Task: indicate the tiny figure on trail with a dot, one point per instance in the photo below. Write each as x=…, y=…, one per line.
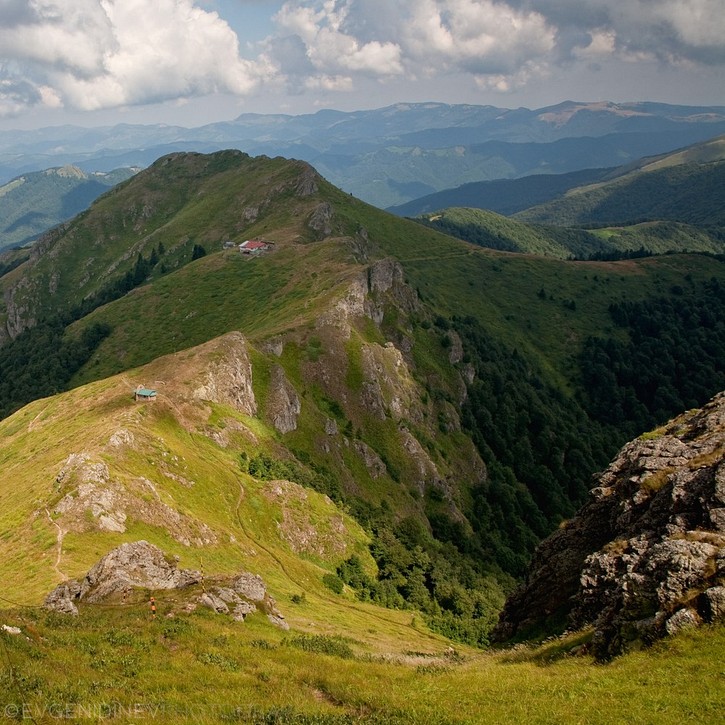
x=153, y=608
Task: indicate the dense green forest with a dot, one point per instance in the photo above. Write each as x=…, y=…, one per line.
x=688, y=193
x=42, y=360
x=672, y=360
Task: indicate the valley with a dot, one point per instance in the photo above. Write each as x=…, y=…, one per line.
x=380, y=420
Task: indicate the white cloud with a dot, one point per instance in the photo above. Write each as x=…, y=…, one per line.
x=416, y=38
x=666, y=30
x=91, y=54
x=96, y=54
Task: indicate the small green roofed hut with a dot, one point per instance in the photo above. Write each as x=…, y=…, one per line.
x=142, y=393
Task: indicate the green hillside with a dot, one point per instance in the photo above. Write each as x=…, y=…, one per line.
x=487, y=229
x=116, y=663
x=431, y=389
x=684, y=187
x=33, y=203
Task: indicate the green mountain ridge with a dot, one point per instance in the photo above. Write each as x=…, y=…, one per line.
x=428, y=387
x=493, y=231
x=33, y=203
x=684, y=186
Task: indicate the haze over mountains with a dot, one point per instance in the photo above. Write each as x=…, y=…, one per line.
x=392, y=155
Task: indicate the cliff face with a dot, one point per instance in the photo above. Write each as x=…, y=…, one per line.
x=645, y=557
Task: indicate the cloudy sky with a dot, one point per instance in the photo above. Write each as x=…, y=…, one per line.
x=194, y=61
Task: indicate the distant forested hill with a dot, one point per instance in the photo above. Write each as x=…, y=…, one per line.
x=505, y=196
x=689, y=193
x=35, y=202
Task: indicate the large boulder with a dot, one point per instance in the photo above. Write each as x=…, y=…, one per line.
x=645, y=557
x=136, y=565
x=140, y=565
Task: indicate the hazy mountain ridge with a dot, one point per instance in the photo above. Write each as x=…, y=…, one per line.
x=352, y=149
x=678, y=195
x=33, y=203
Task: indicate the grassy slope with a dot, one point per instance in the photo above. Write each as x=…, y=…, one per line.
x=263, y=297
x=488, y=229
x=179, y=202
x=649, y=193
x=199, y=668
x=173, y=448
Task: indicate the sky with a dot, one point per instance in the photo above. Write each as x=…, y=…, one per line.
x=191, y=62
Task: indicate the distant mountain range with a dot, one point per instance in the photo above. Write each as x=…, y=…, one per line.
x=668, y=203
x=32, y=203
x=392, y=155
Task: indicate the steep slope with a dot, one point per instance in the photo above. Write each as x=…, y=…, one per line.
x=491, y=230
x=685, y=186
x=503, y=196
x=431, y=386
x=35, y=202
x=112, y=469
x=644, y=557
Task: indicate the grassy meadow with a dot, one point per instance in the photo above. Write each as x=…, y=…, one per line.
x=116, y=663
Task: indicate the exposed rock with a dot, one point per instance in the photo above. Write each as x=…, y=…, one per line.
x=455, y=354
x=211, y=600
x=129, y=566
x=331, y=426
x=324, y=536
x=100, y=502
x=645, y=557
x=321, y=219
x=120, y=438
x=250, y=586
x=140, y=565
x=375, y=465
x=307, y=183
x=283, y=405
x=229, y=379
x=10, y=630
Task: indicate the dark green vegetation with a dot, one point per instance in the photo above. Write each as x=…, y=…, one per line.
x=407, y=435
x=37, y=201
x=41, y=361
x=503, y=196
x=691, y=193
x=670, y=203
x=493, y=231
x=487, y=229
x=670, y=359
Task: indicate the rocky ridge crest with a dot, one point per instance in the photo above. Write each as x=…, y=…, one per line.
x=645, y=557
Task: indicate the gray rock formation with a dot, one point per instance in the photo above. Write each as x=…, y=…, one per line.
x=229, y=379
x=129, y=566
x=283, y=405
x=243, y=595
x=140, y=565
x=645, y=557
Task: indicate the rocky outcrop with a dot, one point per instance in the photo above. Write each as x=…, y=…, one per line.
x=321, y=220
x=228, y=380
x=137, y=565
x=283, y=405
x=140, y=565
x=244, y=595
x=645, y=557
